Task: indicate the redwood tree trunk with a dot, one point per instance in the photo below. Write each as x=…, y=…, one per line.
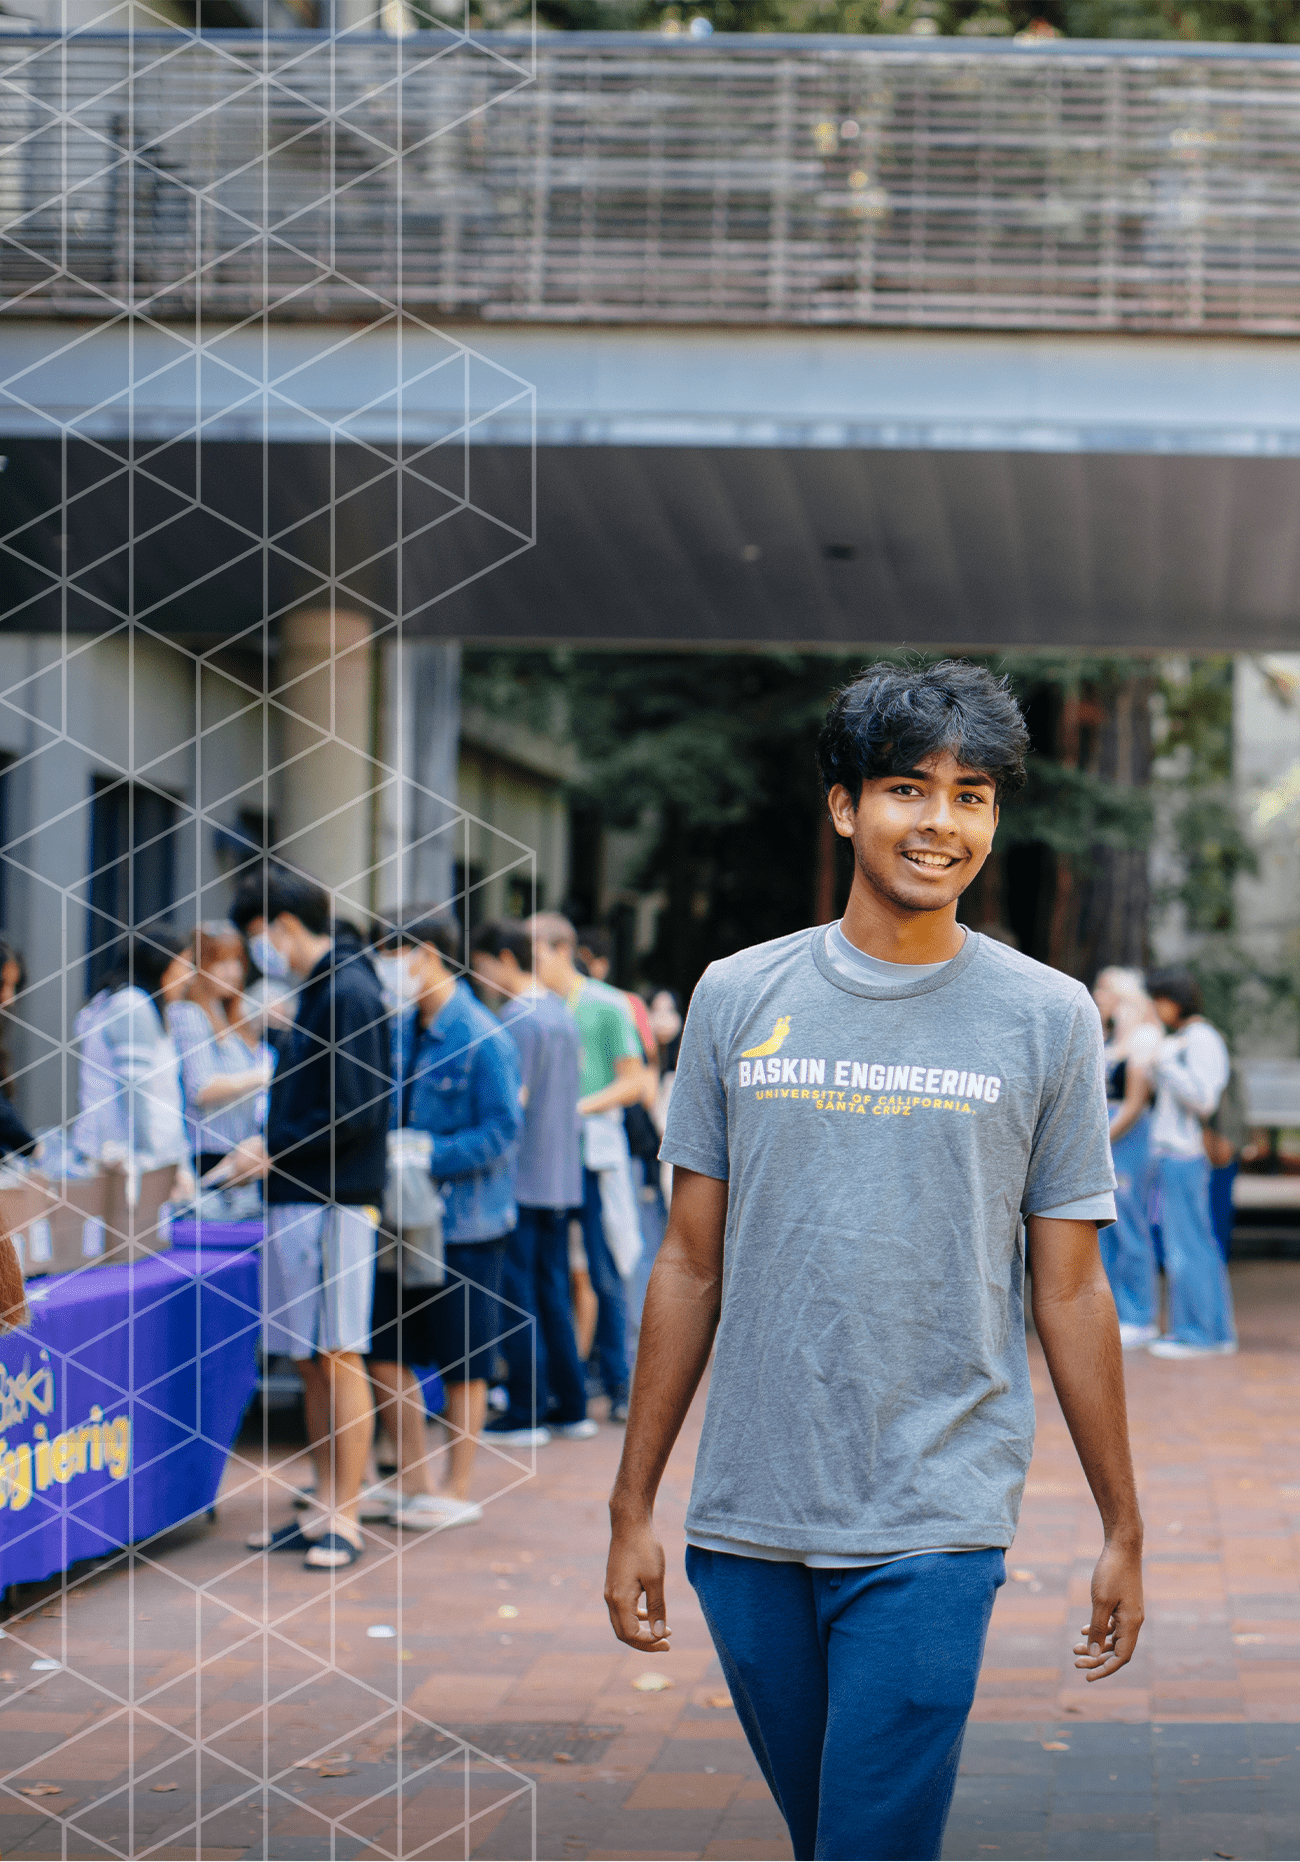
x=1114, y=898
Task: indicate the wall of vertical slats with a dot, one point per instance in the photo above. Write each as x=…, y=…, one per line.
x=631, y=178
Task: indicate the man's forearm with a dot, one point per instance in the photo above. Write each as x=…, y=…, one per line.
x=624, y=1091
x=677, y=1328
x=1080, y=1339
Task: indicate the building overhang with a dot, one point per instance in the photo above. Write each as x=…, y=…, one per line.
x=693, y=486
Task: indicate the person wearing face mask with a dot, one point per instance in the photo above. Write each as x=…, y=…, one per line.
x=323, y=1160
x=456, y=1078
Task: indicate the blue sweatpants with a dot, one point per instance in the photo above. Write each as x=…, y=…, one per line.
x=1200, y=1296
x=853, y=1688
x=1127, y=1251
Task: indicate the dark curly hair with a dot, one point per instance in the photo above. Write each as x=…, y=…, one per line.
x=891, y=718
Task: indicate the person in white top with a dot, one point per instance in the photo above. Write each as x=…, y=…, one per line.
x=1133, y=1037
x=1191, y=1071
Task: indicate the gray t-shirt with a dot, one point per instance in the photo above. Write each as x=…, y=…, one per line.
x=550, y=1146
x=870, y=1392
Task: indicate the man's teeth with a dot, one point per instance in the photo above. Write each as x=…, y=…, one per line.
x=930, y=859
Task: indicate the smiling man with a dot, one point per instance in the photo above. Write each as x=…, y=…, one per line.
x=866, y=1117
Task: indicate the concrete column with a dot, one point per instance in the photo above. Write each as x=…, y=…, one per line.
x=324, y=692
x=421, y=835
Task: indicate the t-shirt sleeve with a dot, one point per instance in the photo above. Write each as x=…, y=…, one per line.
x=695, y=1135
x=622, y=1040
x=1070, y=1158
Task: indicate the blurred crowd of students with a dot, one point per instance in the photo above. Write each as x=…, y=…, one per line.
x=438, y=1162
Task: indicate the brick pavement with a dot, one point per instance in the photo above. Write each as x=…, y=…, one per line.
x=501, y=1639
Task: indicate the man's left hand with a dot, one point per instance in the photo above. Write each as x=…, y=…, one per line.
x=1117, y=1613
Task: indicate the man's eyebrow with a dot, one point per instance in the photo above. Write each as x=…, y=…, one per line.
x=965, y=778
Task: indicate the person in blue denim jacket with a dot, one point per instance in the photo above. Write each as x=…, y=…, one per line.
x=456, y=1076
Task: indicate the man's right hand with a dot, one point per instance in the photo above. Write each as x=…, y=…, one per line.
x=246, y=1163
x=636, y=1570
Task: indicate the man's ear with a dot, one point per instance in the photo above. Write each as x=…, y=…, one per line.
x=843, y=810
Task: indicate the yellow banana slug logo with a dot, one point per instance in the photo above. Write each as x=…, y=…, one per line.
x=773, y=1043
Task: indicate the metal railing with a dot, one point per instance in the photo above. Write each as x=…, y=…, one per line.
x=632, y=178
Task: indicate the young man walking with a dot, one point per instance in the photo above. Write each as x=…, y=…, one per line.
x=865, y=1116
x=544, y=1369
x=612, y=1075
x=324, y=1161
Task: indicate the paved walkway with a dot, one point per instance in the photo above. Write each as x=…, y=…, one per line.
x=515, y=1722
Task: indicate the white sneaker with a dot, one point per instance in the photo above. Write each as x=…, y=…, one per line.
x=519, y=1438
x=577, y=1431
x=1130, y=1336
x=1174, y=1348
x=377, y=1502
x=423, y=1511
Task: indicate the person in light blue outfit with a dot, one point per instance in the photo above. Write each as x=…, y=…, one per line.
x=456, y=1078
x=1127, y=1250
x=1191, y=1071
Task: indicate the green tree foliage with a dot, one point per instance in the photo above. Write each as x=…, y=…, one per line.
x=1275, y=22
x=1209, y=841
x=1211, y=848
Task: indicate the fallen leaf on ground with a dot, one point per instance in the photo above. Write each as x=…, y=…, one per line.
x=163, y=1787
x=41, y=1790
x=651, y=1683
x=1074, y=1709
x=1055, y=1745
x=718, y=1700
x=333, y=1771
x=564, y=1758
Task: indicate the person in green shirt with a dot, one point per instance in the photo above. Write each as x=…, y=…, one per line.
x=611, y=1076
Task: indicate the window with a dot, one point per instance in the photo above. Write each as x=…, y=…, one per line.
x=133, y=843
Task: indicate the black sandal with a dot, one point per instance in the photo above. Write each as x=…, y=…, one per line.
x=335, y=1552
x=290, y=1538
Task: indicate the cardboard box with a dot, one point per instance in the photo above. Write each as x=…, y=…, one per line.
x=68, y=1231
x=22, y=1209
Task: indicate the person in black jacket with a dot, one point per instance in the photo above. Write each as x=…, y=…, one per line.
x=324, y=1159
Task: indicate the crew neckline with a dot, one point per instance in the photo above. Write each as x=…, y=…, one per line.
x=937, y=978
x=850, y=961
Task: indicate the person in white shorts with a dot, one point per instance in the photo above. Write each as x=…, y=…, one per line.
x=324, y=1160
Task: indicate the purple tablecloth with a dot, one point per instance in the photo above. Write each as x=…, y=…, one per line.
x=217, y=1237
x=120, y=1405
